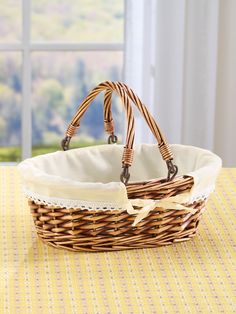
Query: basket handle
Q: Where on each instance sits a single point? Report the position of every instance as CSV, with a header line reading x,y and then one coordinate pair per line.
x,y
163,145
108,119
125,93
128,149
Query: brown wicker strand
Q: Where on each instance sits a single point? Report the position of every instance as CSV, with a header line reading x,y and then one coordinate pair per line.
x,y
78,229
108,120
129,112
93,230
128,156
165,151
109,126
124,92
71,130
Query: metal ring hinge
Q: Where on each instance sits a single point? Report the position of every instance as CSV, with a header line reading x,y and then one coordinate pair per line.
x,y
65,143
125,175
172,170
112,139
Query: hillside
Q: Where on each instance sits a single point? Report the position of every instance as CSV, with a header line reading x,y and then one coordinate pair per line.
x,y
60,80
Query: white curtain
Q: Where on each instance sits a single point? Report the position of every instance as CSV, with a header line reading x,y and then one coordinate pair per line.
x,y
181,60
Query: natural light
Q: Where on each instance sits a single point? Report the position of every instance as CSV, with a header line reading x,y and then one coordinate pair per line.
x,y
48,63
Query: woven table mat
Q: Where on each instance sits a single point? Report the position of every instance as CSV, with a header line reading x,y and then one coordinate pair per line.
x,y
198,276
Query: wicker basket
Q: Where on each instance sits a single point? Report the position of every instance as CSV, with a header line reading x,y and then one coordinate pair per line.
x,y
92,229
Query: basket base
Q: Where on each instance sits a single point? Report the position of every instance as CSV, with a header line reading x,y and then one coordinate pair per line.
x,y
114,247
93,231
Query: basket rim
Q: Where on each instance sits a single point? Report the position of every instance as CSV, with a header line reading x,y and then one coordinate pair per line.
x,y
29,161
35,181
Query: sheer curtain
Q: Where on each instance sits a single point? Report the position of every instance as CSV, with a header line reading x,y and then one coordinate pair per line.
x,y
180,58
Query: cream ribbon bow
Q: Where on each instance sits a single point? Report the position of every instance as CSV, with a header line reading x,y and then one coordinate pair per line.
x,y
149,205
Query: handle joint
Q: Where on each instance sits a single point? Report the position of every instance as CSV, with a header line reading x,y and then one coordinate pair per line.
x,y
125,175
65,142
71,130
112,139
172,170
128,156
109,126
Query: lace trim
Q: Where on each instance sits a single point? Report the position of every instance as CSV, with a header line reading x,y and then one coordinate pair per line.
x,y
68,203
92,205
202,196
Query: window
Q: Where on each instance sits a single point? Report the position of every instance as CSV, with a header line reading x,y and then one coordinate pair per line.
x,y
51,54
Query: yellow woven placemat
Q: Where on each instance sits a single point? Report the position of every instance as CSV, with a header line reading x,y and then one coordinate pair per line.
x,y
197,276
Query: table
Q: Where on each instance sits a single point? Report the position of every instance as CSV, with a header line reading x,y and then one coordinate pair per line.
x,y
198,276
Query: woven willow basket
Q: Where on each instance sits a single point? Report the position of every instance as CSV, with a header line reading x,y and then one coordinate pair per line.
x,y
84,228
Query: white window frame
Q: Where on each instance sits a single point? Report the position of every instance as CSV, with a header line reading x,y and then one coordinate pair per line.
x,y
25,48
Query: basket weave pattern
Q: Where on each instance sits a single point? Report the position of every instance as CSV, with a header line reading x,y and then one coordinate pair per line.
x,y
85,230
79,229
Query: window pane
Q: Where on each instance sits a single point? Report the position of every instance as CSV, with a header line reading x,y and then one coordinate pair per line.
x,y
10,21
78,21
60,82
10,106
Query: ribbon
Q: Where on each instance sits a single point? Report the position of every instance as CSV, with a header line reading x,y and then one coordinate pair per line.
x,y
149,205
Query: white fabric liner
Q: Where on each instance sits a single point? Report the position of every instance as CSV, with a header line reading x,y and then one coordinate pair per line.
x,y
89,177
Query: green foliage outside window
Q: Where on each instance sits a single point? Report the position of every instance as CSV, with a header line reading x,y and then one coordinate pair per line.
x,y
60,80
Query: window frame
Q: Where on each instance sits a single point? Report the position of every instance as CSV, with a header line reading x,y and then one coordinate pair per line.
x,y
25,47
